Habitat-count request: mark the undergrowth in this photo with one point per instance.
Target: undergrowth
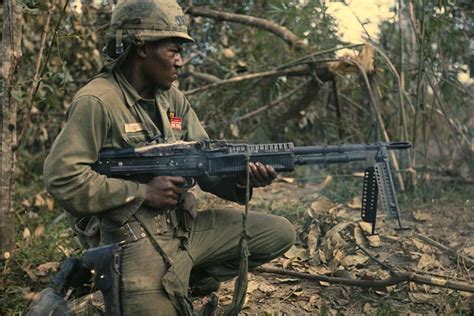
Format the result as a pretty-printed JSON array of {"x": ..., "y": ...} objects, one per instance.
[{"x": 43, "y": 235}]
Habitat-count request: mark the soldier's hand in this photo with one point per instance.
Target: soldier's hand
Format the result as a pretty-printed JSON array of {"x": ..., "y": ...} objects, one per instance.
[
  {"x": 260, "y": 175},
  {"x": 163, "y": 191}
]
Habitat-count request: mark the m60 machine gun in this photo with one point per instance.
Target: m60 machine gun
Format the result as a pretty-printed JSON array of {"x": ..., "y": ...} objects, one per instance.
[{"x": 219, "y": 158}]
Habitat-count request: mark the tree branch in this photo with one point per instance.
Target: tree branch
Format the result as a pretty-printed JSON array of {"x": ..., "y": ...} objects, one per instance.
[
  {"x": 267, "y": 25},
  {"x": 271, "y": 105},
  {"x": 397, "y": 278},
  {"x": 39, "y": 74},
  {"x": 302, "y": 70},
  {"x": 200, "y": 75}
]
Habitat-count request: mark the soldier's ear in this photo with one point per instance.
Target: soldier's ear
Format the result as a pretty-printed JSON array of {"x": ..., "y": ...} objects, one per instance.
[{"x": 141, "y": 51}]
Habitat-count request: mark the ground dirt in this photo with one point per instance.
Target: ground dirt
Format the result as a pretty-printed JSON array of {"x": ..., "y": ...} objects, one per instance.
[
  {"x": 326, "y": 216},
  {"x": 327, "y": 231}
]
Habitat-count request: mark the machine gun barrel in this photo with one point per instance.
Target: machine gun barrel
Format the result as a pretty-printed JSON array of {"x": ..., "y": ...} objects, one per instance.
[{"x": 329, "y": 159}]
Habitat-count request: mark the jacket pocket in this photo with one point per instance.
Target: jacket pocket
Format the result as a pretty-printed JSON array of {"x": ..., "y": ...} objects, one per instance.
[{"x": 180, "y": 134}]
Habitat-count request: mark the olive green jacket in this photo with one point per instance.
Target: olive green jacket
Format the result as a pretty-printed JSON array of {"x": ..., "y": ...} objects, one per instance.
[{"x": 109, "y": 114}]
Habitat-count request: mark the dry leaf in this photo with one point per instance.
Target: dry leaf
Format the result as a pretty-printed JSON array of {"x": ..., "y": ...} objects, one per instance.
[
  {"x": 26, "y": 233},
  {"x": 366, "y": 227},
  {"x": 321, "y": 205},
  {"x": 359, "y": 236},
  {"x": 45, "y": 268},
  {"x": 26, "y": 203},
  {"x": 39, "y": 230},
  {"x": 355, "y": 203},
  {"x": 30, "y": 273},
  {"x": 469, "y": 251},
  {"x": 426, "y": 261},
  {"x": 49, "y": 203},
  {"x": 313, "y": 300},
  {"x": 266, "y": 288},
  {"x": 374, "y": 241},
  {"x": 421, "y": 216},
  {"x": 366, "y": 58},
  {"x": 252, "y": 286},
  {"x": 65, "y": 251},
  {"x": 39, "y": 201},
  {"x": 353, "y": 260},
  {"x": 338, "y": 255},
  {"x": 228, "y": 53},
  {"x": 325, "y": 183},
  {"x": 30, "y": 296},
  {"x": 369, "y": 309},
  {"x": 421, "y": 297},
  {"x": 297, "y": 291},
  {"x": 421, "y": 246},
  {"x": 225, "y": 300},
  {"x": 287, "y": 263},
  {"x": 234, "y": 130},
  {"x": 351, "y": 63},
  {"x": 313, "y": 236},
  {"x": 6, "y": 255},
  {"x": 322, "y": 256},
  {"x": 294, "y": 252},
  {"x": 287, "y": 179}
]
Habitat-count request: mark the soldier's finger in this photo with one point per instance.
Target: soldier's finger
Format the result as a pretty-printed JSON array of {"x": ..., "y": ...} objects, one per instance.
[
  {"x": 265, "y": 174},
  {"x": 271, "y": 172},
  {"x": 255, "y": 173},
  {"x": 177, "y": 180}
]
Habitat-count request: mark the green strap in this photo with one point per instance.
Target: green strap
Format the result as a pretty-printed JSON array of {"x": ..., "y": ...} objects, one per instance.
[{"x": 240, "y": 288}]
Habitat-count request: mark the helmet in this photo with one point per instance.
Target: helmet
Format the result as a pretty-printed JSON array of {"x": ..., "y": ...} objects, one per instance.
[{"x": 139, "y": 21}]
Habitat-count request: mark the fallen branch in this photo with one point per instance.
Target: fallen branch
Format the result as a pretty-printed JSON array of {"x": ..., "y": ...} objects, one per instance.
[
  {"x": 397, "y": 278},
  {"x": 267, "y": 25},
  {"x": 451, "y": 252}
]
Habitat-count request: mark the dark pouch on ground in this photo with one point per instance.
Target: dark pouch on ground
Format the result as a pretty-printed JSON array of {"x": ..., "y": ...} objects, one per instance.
[
  {"x": 49, "y": 302},
  {"x": 107, "y": 261}
]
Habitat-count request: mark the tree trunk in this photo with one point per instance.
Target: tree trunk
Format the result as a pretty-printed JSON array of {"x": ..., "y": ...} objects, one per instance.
[{"x": 10, "y": 57}]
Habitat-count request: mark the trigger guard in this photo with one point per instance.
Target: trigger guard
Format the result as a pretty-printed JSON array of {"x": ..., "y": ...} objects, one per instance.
[{"x": 189, "y": 182}]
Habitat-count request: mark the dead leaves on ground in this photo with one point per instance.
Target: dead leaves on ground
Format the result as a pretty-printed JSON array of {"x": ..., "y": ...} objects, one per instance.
[{"x": 330, "y": 237}]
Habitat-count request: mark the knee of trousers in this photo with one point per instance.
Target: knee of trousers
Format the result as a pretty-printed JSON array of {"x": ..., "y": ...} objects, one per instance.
[{"x": 285, "y": 234}]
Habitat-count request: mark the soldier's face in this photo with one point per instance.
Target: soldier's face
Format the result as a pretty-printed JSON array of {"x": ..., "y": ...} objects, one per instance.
[{"x": 162, "y": 62}]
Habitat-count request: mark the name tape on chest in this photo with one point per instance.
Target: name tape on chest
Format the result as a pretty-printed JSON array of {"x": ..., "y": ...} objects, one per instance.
[{"x": 134, "y": 127}]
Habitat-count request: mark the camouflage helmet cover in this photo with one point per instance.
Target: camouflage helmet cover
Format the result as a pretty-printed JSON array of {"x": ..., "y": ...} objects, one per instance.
[{"x": 141, "y": 21}]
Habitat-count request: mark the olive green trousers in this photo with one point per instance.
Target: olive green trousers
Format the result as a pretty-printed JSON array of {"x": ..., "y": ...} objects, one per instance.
[{"x": 210, "y": 248}]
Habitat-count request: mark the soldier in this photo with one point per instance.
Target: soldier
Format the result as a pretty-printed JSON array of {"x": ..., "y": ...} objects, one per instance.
[{"x": 130, "y": 103}]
